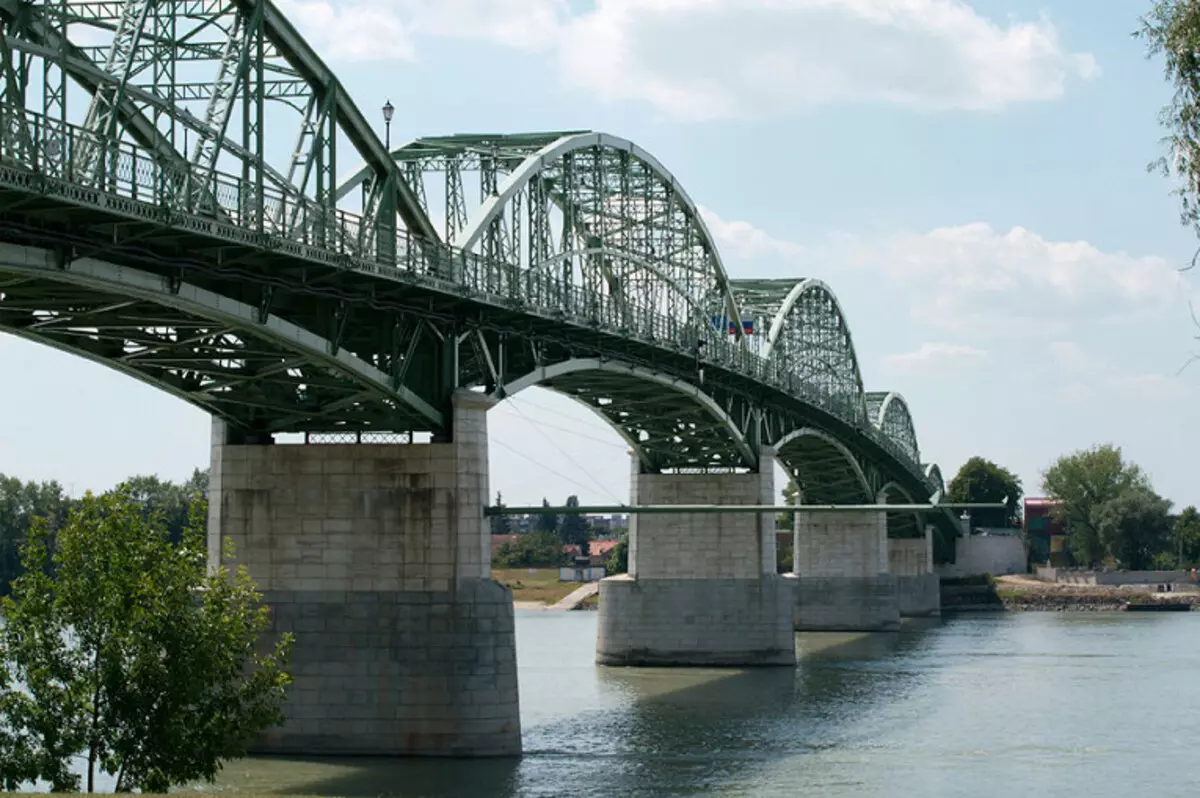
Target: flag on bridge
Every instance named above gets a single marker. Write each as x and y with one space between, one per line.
724 321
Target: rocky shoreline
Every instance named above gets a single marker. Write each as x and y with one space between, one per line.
1024 594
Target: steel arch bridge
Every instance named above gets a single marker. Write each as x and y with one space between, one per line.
149 222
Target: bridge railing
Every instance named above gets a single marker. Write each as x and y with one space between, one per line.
40 154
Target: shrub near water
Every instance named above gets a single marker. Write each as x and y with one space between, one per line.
130 654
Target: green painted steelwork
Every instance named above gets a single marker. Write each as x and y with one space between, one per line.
704 509
152 224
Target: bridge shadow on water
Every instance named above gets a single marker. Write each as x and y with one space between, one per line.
647 730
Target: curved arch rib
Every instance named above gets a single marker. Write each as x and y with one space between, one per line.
896 422
782 302
793 463
197 302
582 366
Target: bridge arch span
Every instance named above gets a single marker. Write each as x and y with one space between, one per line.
933 475
895 420
221 355
808 338
582 210
900 525
647 409
825 470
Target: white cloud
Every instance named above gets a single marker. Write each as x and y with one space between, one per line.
703 59
743 241
524 24
933 358
971 277
1081 376
354 31
708 59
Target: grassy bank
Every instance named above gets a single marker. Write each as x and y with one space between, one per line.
534 584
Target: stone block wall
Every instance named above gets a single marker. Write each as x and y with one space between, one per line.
841 544
703 545
377 558
701 587
911 556
717 622
847 604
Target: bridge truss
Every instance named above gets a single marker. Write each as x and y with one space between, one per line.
150 223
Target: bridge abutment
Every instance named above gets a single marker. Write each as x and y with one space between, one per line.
841 565
376 557
702 588
918 589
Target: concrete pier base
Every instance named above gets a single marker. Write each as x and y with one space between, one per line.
718 622
918 588
841 565
847 604
701 588
919 596
376 557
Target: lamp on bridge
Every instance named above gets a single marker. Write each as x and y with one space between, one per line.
388 110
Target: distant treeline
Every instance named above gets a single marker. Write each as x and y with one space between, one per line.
21 502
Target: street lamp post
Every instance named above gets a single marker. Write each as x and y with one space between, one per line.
388 110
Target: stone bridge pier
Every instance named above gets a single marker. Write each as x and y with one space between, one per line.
702 588
918 589
841 564
377 559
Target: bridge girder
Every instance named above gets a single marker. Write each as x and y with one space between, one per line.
580 246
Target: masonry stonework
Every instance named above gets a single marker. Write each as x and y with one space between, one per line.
377 559
841 563
701 587
918 589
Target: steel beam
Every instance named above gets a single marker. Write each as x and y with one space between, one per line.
661 509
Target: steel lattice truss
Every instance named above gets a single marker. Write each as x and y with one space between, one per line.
149 222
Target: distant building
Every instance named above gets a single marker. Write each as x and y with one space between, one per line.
1047 537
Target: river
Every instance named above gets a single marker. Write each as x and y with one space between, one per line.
1005 704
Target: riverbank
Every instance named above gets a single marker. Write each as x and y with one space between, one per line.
1025 593
539 589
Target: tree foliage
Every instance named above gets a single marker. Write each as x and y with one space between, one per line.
20 504
617 561
130 654
548 522
530 550
500 524
982 481
574 528
786 521
1185 537
1135 527
1083 482
1172 29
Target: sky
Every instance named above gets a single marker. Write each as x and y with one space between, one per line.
969 177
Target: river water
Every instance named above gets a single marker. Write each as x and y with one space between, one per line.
1004 704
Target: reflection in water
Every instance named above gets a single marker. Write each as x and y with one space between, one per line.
995 705
593 730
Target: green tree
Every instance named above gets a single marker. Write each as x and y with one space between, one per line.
1083 481
983 482
548 522
171 500
574 529
21 503
1172 29
1185 537
532 550
131 654
501 524
786 521
617 561
1134 527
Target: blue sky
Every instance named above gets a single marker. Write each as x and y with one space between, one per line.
968 177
